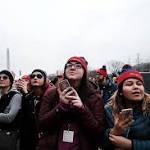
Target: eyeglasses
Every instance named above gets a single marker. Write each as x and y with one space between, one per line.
3 77
39 76
76 66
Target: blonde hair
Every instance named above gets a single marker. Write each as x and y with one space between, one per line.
116 101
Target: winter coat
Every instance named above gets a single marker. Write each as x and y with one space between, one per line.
52 117
139 132
10 106
107 90
29 125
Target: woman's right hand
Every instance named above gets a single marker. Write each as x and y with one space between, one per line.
63 95
121 123
22 85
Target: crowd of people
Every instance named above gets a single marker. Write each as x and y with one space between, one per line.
74 113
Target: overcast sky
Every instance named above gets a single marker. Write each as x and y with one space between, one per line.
45 33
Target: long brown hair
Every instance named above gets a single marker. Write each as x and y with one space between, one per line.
117 103
85 88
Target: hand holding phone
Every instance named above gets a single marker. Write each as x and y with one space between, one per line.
123 121
63 84
65 96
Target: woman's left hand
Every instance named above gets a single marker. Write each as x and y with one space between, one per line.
120 142
75 99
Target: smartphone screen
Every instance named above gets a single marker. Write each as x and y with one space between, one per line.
63 84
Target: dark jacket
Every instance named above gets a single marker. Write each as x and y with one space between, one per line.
29 125
107 90
90 121
139 132
10 105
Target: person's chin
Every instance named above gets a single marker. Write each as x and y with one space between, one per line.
137 98
71 78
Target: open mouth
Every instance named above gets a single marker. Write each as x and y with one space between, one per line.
136 93
71 73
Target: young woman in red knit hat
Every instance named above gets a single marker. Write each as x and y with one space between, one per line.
72 119
128 115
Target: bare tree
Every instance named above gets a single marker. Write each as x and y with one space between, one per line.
115 66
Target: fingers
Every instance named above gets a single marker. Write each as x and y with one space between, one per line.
69 96
112 138
122 124
127 122
77 103
21 83
64 95
69 92
124 121
64 92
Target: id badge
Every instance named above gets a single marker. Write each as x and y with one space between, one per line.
68 136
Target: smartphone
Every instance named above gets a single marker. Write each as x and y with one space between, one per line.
127 112
63 84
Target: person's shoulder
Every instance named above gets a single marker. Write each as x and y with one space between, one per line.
93 94
108 108
13 92
51 90
108 105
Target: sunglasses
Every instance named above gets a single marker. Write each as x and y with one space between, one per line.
39 76
3 77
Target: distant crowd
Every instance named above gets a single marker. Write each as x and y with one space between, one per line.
74 111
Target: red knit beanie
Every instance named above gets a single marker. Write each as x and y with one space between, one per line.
102 72
129 74
80 60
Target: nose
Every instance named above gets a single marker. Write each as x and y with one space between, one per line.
73 66
135 85
35 77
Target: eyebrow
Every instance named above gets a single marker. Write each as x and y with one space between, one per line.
132 81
